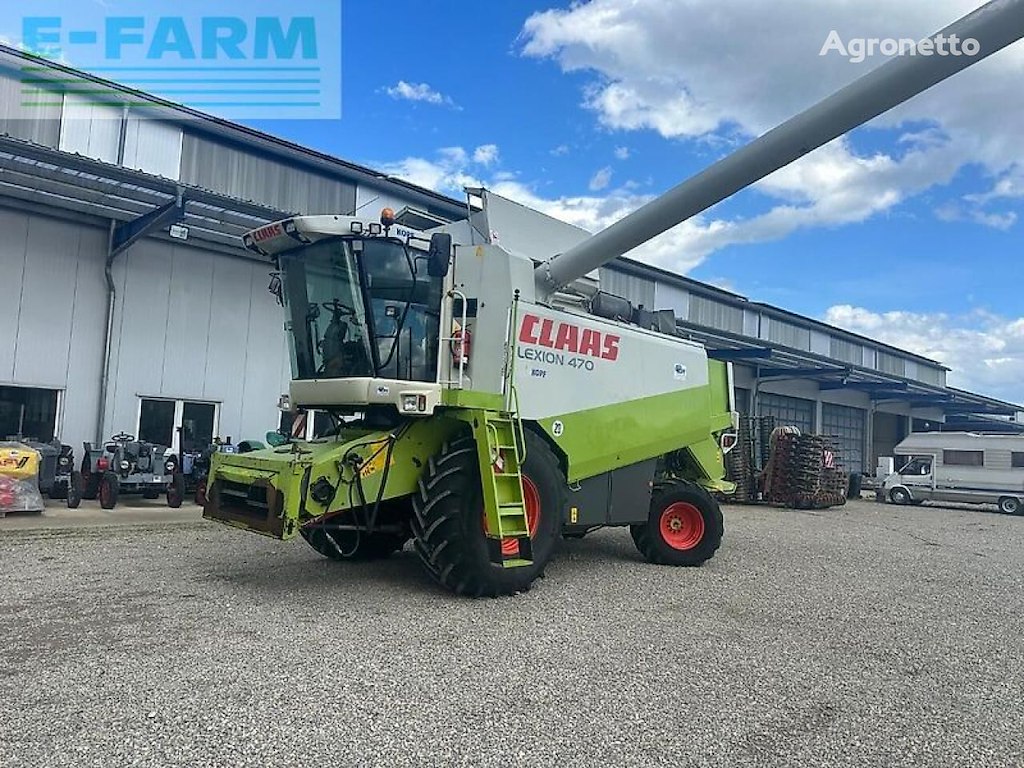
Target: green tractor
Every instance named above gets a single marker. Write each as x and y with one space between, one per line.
485 404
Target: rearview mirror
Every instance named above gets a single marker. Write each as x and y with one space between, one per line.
440 254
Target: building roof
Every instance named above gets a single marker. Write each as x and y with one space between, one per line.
226 129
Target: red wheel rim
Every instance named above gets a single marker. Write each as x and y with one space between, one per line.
531 502
682 525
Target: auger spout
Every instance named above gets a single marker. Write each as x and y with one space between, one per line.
994 26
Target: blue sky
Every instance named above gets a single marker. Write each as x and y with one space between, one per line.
906 230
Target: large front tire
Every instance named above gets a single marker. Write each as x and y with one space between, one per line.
448 520
684 527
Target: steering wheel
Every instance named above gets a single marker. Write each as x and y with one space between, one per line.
123 437
338 308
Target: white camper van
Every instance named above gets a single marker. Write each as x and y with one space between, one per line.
959 467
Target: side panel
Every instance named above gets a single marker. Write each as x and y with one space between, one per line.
566 362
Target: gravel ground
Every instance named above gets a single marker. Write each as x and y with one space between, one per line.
867 635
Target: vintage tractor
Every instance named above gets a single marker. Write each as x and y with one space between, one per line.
486 403
125 465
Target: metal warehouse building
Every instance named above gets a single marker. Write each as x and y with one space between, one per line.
128 304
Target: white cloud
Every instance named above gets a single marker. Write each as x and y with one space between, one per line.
713 71
984 351
486 154
601 179
417 92
451 169
622 153
560 150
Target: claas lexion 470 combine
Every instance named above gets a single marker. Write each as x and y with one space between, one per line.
485 404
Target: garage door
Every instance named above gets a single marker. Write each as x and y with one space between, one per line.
788 411
847 426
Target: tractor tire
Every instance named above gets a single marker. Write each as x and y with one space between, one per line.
75 487
91 481
176 491
352 545
684 527
1010 505
448 520
201 493
900 496
109 489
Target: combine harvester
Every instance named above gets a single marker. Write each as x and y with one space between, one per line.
486 404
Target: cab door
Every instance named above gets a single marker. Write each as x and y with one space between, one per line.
919 477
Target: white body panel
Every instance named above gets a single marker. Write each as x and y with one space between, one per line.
568 362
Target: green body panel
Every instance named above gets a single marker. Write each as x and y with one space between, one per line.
290 468
465 398
612 436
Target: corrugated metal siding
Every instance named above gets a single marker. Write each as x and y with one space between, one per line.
751 322
153 147
791 335
38 124
820 343
792 411
930 375
638 290
670 297
91 130
715 314
51 331
847 351
887 363
195 325
246 176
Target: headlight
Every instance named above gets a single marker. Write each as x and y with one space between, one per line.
64 461
414 403
169 466
125 466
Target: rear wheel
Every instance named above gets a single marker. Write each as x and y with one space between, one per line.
1010 505
176 490
899 496
75 486
91 481
449 524
109 489
684 527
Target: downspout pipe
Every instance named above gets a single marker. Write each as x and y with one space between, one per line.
108 338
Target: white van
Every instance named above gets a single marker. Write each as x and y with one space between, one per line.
959 467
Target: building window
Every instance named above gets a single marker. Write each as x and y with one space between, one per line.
28 413
184 425
1017 460
156 421
963 458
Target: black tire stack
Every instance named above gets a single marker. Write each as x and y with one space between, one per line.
739 464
